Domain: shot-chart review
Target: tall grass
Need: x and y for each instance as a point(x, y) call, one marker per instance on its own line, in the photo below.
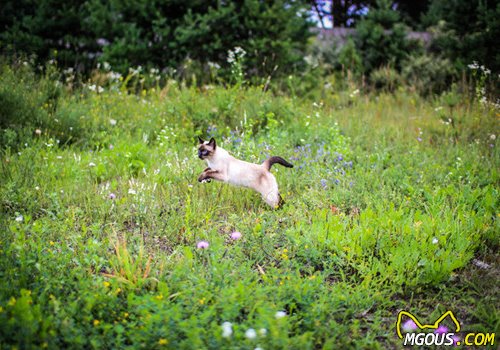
point(388, 203)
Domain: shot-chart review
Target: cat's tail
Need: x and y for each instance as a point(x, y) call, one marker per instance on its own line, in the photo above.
point(268, 163)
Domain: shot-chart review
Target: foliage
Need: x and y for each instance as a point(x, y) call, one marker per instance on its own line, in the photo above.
point(428, 74)
point(468, 31)
point(158, 34)
point(386, 79)
point(381, 38)
point(386, 207)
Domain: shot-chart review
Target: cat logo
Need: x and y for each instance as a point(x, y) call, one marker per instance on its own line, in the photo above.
point(426, 326)
point(415, 334)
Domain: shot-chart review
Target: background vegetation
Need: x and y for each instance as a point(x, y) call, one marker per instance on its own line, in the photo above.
point(108, 241)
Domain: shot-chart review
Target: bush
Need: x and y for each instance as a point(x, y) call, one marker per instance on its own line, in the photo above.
point(31, 106)
point(381, 38)
point(385, 79)
point(428, 74)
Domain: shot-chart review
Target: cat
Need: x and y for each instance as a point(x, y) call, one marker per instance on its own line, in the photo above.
point(225, 168)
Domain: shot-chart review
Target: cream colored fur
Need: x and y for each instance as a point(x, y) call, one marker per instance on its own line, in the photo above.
point(224, 167)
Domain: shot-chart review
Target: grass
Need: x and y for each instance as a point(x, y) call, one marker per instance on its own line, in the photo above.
point(390, 200)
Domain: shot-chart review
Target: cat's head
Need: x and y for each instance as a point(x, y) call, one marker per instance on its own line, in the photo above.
point(206, 149)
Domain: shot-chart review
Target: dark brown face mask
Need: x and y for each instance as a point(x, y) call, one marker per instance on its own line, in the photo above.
point(205, 150)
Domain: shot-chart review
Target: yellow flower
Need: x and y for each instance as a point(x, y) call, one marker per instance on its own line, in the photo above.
point(125, 314)
point(96, 323)
point(118, 291)
point(51, 243)
point(159, 297)
point(163, 341)
point(106, 284)
point(12, 301)
point(202, 301)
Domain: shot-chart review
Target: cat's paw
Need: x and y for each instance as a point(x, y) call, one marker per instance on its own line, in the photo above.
point(205, 180)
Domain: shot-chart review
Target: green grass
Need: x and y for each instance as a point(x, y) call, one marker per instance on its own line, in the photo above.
point(385, 209)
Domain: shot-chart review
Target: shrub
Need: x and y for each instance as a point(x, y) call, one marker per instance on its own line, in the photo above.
point(428, 74)
point(386, 79)
point(381, 38)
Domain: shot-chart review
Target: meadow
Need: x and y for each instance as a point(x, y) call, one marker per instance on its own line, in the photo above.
point(392, 205)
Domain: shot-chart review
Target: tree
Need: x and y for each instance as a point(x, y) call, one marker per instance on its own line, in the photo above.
point(381, 38)
point(468, 30)
point(158, 33)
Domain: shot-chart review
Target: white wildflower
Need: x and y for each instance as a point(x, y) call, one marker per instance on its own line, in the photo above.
point(19, 218)
point(251, 333)
point(227, 329)
point(435, 240)
point(280, 314)
point(91, 164)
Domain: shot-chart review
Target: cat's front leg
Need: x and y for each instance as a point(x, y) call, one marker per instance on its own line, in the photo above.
point(209, 174)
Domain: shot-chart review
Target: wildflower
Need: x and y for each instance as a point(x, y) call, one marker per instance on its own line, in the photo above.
point(96, 323)
point(474, 65)
point(227, 329)
point(456, 339)
point(112, 122)
point(19, 218)
point(38, 131)
point(111, 146)
point(202, 245)
point(419, 139)
point(258, 348)
point(441, 330)
point(131, 191)
point(162, 341)
point(91, 165)
point(409, 326)
point(323, 183)
point(435, 240)
point(493, 137)
point(251, 333)
point(106, 284)
point(235, 235)
point(280, 314)
point(262, 332)
point(112, 196)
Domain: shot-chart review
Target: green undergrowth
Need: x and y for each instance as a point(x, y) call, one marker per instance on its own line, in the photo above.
point(386, 206)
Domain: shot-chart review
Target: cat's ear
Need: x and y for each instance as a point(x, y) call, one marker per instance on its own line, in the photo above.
point(212, 143)
point(200, 140)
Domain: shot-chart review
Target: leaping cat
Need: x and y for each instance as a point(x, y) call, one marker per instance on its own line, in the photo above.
point(224, 167)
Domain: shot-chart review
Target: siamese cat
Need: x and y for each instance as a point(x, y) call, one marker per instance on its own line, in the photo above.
point(224, 167)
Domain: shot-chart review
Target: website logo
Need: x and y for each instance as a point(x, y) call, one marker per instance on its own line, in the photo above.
point(413, 332)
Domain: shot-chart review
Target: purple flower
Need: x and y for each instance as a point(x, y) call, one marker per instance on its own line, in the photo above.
point(323, 183)
point(441, 330)
point(419, 139)
point(235, 235)
point(202, 245)
point(456, 339)
point(112, 196)
point(409, 326)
